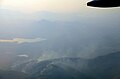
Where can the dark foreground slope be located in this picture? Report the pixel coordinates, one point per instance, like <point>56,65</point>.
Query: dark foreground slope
<point>61,68</point>
<point>106,67</point>
<point>103,67</point>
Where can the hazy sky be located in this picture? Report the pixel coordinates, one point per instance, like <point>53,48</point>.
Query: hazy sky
<point>52,10</point>
<point>49,5</point>
<point>24,19</point>
<point>58,6</point>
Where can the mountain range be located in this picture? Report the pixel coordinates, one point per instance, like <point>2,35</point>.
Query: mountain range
<point>103,67</point>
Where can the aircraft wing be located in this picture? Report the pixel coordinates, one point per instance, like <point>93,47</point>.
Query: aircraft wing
<point>104,3</point>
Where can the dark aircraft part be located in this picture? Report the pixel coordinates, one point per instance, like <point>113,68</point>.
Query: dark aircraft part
<point>104,3</point>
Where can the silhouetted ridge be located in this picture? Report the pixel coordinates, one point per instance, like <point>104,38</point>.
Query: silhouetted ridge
<point>105,67</point>
<point>102,67</point>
